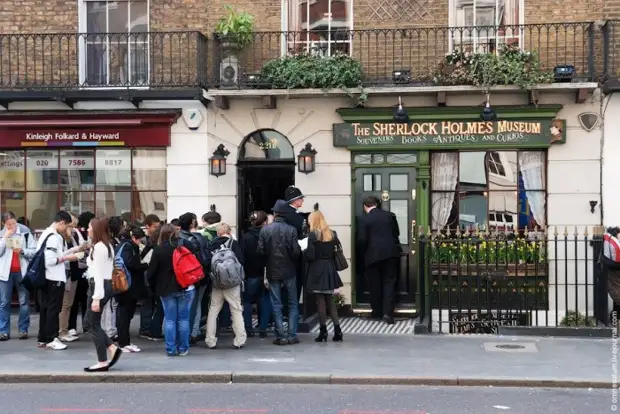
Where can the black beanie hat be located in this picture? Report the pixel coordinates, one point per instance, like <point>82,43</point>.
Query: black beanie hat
<point>292,193</point>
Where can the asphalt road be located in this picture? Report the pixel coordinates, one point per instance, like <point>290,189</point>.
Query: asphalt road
<point>295,399</point>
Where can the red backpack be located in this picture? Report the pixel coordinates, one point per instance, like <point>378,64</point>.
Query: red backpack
<point>187,268</point>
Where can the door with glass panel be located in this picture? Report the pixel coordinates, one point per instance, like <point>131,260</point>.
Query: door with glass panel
<point>395,187</point>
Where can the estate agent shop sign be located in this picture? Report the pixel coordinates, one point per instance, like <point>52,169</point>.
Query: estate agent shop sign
<point>451,134</point>
<point>144,136</point>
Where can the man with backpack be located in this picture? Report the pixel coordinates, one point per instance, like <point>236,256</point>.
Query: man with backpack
<point>52,248</point>
<point>13,265</point>
<point>197,244</point>
<point>227,278</point>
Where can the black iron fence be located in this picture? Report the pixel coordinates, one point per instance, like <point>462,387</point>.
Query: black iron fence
<point>413,56</point>
<point>103,60</point>
<point>477,282</point>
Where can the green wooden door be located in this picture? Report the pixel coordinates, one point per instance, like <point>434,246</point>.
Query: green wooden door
<point>396,187</point>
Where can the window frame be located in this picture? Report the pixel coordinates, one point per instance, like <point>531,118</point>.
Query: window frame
<point>83,45</point>
<point>284,44</point>
<point>487,191</point>
<point>474,40</point>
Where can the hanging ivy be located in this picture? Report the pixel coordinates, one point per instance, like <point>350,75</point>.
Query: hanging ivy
<point>307,71</point>
<point>511,66</point>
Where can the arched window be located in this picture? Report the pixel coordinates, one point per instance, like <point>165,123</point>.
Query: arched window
<point>267,145</point>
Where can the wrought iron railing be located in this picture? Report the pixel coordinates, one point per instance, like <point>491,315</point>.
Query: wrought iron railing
<point>411,56</point>
<point>103,60</point>
<point>477,282</point>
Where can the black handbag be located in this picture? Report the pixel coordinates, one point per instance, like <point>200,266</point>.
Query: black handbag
<point>339,260</point>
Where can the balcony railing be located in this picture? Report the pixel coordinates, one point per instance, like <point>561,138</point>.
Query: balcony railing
<point>411,56</point>
<point>103,60</point>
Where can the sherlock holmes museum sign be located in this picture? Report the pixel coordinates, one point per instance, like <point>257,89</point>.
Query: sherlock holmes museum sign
<point>451,134</point>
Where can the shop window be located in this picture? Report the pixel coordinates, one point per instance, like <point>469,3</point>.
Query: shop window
<point>494,191</point>
<point>369,159</point>
<point>320,27</point>
<point>35,184</point>
<point>402,158</point>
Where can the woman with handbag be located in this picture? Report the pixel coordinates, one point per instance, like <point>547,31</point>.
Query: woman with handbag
<point>322,258</point>
<point>100,267</point>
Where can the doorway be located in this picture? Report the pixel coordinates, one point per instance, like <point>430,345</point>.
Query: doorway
<point>265,168</point>
<point>395,186</point>
<point>260,186</point>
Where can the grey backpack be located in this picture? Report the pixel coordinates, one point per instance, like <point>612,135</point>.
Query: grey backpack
<point>226,270</point>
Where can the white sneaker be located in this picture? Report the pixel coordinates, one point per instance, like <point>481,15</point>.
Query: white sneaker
<point>69,338</point>
<point>73,332</point>
<point>56,345</point>
<point>130,348</point>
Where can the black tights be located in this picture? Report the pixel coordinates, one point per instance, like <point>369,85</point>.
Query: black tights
<point>323,302</point>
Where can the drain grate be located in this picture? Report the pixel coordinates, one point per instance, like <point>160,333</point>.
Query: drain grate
<point>508,346</point>
<point>517,347</point>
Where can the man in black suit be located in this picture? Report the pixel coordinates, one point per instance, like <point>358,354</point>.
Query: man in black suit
<point>378,236</point>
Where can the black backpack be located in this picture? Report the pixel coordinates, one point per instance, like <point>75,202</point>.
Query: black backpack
<point>35,272</point>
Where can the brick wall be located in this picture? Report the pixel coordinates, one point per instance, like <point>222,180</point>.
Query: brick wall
<point>381,51</point>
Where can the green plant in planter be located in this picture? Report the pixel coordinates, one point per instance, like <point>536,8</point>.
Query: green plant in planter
<point>511,66</point>
<point>236,29</point>
<point>480,250</point>
<point>305,71</point>
<point>573,318</point>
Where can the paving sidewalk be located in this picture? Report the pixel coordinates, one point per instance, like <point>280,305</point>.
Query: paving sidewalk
<point>360,359</point>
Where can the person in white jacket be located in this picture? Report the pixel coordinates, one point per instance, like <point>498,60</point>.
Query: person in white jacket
<point>51,296</point>
<point>17,246</point>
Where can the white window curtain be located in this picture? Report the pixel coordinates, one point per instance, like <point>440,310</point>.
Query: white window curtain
<point>444,176</point>
<point>532,166</point>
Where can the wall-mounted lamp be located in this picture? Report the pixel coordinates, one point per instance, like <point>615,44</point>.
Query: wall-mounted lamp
<point>401,116</point>
<point>305,159</point>
<point>218,161</point>
<point>593,204</point>
<point>212,208</point>
<point>488,114</point>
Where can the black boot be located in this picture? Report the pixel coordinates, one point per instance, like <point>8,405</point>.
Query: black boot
<point>337,334</point>
<point>322,335</point>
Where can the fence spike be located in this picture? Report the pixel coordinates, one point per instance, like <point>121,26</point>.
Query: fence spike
<point>555,231</point>
<point>565,231</point>
<point>576,232</point>
<point>585,231</point>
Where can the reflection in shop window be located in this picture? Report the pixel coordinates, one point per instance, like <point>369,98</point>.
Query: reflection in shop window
<point>14,202</point>
<point>109,203</point>
<point>77,201</point>
<point>494,191</point>
<point>41,208</point>
<point>113,169</point>
<point>149,169</point>
<point>12,170</point>
<point>77,170</point>
<point>149,202</point>
<point>42,170</point>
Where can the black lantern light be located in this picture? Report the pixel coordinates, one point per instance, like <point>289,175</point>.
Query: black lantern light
<point>401,116</point>
<point>305,159</point>
<point>218,161</point>
<point>488,114</point>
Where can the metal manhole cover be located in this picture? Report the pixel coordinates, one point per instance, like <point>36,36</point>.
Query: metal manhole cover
<point>509,346</point>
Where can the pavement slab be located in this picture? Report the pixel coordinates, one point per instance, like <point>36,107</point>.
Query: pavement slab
<point>360,359</point>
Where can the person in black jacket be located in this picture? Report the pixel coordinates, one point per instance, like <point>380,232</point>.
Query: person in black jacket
<point>81,291</point>
<point>129,243</point>
<point>175,300</point>
<point>278,243</point>
<point>151,311</point>
<point>294,201</point>
<point>378,237</point>
<point>254,267</point>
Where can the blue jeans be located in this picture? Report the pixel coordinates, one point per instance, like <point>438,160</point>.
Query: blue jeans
<point>176,321</point>
<point>275,289</point>
<point>195,313</point>
<point>254,291</point>
<point>6,291</point>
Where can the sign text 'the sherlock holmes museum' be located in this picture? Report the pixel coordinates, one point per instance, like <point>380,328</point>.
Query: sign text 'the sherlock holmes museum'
<point>450,133</point>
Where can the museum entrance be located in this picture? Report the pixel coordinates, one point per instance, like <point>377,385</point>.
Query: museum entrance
<point>265,168</point>
<point>395,187</point>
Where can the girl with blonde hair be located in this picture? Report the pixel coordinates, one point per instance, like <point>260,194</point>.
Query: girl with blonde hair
<point>322,279</point>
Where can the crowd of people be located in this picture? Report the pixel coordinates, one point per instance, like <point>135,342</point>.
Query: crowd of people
<point>98,269</point>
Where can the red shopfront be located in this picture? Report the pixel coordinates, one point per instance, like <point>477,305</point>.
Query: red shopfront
<point>104,162</point>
